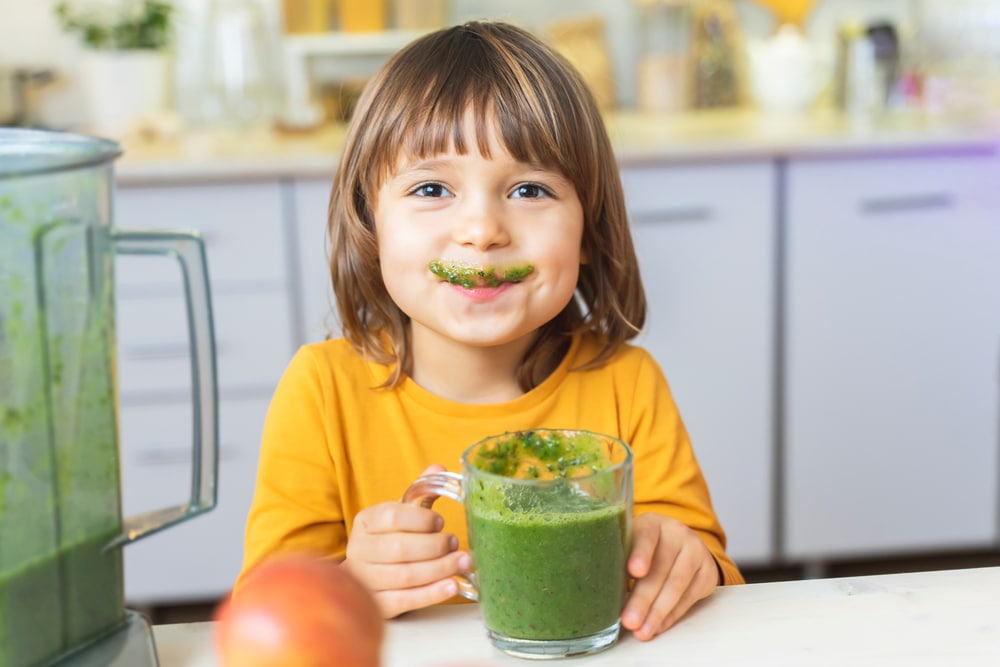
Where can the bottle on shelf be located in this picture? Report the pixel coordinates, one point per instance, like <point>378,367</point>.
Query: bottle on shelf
<point>717,75</point>
<point>306,17</point>
<point>664,72</point>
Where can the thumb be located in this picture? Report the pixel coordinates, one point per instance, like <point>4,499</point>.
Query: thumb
<point>433,468</point>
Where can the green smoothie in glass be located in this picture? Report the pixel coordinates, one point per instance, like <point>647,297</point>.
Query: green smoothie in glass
<point>549,515</point>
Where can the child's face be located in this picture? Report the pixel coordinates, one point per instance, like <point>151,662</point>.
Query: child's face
<point>479,252</point>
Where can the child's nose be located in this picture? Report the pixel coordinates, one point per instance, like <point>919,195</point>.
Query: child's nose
<point>480,224</point>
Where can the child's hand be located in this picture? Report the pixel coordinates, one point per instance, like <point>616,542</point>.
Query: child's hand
<point>673,570</point>
<point>399,552</point>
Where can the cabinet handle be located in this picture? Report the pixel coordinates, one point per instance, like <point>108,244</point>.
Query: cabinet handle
<point>174,455</point>
<point>674,215</point>
<point>926,202</point>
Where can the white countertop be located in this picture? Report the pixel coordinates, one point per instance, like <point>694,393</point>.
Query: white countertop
<point>948,618</point>
<point>263,153</point>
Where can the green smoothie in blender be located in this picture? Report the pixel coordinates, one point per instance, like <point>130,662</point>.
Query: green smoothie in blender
<point>59,585</point>
<point>61,525</point>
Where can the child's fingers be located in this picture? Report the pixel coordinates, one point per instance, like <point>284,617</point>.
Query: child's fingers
<point>396,517</point>
<point>407,547</point>
<point>414,575</point>
<point>641,610</point>
<point>645,538</point>
<point>701,586</point>
<point>668,582</point>
<point>395,602</point>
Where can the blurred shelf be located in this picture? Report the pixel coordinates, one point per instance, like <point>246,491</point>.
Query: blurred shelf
<point>332,58</point>
<point>384,43</point>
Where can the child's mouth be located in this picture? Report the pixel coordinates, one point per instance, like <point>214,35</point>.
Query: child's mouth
<point>469,277</point>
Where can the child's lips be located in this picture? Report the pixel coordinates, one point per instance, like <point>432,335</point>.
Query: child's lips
<point>482,292</point>
<point>483,283</point>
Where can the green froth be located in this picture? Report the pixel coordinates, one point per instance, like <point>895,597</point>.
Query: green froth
<point>534,454</point>
<point>469,276</point>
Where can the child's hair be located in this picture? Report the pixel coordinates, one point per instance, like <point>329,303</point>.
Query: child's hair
<point>543,112</point>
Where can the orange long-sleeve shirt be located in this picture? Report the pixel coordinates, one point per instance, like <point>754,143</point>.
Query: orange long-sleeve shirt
<point>333,444</point>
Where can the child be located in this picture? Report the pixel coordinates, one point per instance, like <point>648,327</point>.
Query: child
<point>486,282</point>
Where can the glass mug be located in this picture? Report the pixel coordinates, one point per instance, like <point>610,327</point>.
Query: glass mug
<point>549,519</point>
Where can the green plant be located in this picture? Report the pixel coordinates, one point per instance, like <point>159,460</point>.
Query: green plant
<point>148,28</point>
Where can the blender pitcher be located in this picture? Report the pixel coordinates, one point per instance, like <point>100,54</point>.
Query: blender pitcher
<point>61,585</point>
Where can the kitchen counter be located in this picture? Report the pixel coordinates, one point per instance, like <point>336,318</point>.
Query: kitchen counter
<point>912,620</point>
<point>262,153</point>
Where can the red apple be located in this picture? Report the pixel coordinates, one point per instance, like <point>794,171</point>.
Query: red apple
<point>298,611</point>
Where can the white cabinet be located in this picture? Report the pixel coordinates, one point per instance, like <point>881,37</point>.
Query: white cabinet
<point>245,239</point>
<point>705,236</point>
<point>893,355</point>
<point>252,342</point>
<point>200,558</point>
<point>311,199</point>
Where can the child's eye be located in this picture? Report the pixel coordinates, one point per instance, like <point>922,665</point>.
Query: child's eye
<point>430,190</point>
<point>530,191</point>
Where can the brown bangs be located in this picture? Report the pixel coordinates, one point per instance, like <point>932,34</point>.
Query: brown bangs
<point>492,82</point>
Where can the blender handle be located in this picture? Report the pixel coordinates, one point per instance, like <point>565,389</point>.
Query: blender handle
<point>188,248</point>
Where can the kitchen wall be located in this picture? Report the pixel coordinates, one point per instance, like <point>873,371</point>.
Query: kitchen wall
<point>29,35</point>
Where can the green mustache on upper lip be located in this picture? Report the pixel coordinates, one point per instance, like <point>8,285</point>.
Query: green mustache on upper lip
<point>478,276</point>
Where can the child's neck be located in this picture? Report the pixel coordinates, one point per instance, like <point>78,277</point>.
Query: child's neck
<point>467,374</point>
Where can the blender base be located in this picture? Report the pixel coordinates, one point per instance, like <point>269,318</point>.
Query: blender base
<point>131,645</point>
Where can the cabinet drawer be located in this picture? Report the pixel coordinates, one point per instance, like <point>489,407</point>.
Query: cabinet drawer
<point>198,559</point>
<point>252,335</point>
<point>241,225</point>
<point>657,194</point>
<point>926,189</point>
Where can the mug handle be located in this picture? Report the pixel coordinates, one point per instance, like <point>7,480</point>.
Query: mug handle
<point>188,249</point>
<point>423,492</point>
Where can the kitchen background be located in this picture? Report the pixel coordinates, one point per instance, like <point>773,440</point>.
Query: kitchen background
<point>814,205</point>
<point>624,44</point>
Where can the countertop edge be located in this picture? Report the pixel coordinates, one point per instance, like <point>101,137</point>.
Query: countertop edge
<point>265,155</point>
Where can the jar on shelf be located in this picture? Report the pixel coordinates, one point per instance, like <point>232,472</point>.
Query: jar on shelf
<point>239,81</point>
<point>716,54</point>
<point>665,64</point>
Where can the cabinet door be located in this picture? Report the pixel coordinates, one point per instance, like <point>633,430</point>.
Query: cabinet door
<point>318,308</point>
<point>705,236</point>
<point>253,343</point>
<point>200,558</point>
<point>893,350</point>
<point>244,233</point>
<point>244,229</point>
<point>240,223</point>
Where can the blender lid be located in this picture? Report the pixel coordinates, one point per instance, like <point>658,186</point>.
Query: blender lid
<point>25,152</point>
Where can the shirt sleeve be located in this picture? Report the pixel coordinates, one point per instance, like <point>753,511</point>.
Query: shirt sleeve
<point>668,479</point>
<point>296,505</point>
